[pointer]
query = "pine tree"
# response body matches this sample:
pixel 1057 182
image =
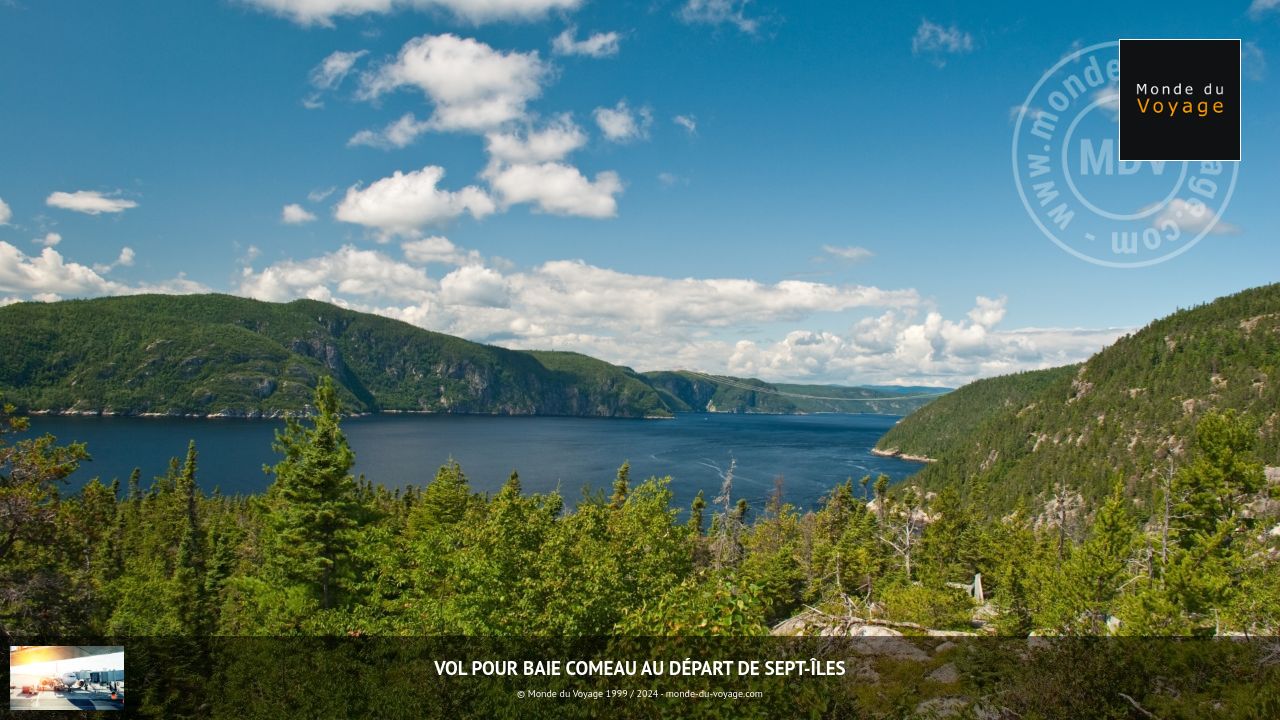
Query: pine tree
pixel 1096 570
pixel 312 502
pixel 189 566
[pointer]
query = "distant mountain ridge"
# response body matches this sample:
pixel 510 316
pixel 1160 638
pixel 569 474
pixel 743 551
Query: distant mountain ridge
pixel 220 355
pixel 1126 412
pixel 683 390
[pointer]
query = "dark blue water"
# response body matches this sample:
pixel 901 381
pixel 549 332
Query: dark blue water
pixel 812 452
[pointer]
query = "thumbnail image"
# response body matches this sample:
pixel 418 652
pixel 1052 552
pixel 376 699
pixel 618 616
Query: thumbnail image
pixel 66 677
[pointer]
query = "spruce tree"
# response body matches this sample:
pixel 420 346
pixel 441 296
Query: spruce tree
pixel 312 502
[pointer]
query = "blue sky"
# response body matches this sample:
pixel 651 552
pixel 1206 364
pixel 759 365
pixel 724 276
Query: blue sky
pixel 813 191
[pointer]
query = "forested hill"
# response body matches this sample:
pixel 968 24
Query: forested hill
pixel 225 355
pixel 697 392
pixel 1128 411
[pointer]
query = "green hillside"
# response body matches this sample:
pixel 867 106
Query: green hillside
pixel 689 391
pixel 220 354
pixel 945 425
pixel 224 355
pixel 1128 411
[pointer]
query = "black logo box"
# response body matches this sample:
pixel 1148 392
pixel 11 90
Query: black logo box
pixel 1184 64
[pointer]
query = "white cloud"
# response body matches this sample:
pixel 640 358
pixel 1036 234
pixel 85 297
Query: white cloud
pixel 480 11
pixel 937 41
pixel 621 124
pixel 474 285
pixel 323 12
pixel 473 86
pixel 1254 60
pixel 897 347
pixel 1108 99
pixel 398 134
pixel 560 137
pixel 125 259
pixel 405 202
pixel 558 189
pixel 346 271
pixel 1030 112
pixel 718 12
pixel 653 322
pixel 437 249
pixel 688 122
pixel 329 74
pixel 319 195
pixel 49 273
pixel 596 45
pixel 5 213
pixel 90 202
pixel 669 179
pixel 1191 217
pixel 849 253
pixel 295 214
pixel 46 272
pixel 1258 8
pixel 331 71
pixel 49 240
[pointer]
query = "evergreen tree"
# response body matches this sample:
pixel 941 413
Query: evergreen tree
pixel 189 566
pixel 312 501
pixel 621 484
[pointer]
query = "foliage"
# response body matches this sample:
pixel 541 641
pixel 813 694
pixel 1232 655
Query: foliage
pixel 224 355
pixel 1131 409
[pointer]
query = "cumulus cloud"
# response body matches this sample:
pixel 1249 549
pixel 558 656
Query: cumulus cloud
pixel 49 240
pixel 475 286
pixel 49 274
pixel 405 202
pixel 398 134
pixel 324 12
pixel 472 86
pixel 557 139
pixel 295 214
pixel 5 213
pixel 125 259
pixel 652 322
pixel 437 249
pixel 688 122
pixel 563 297
pixel 621 124
pixel 558 189
pixel 1191 217
pixel 596 45
pixel 346 271
pixel 900 347
pixel 847 253
pixel 89 202
pixel 935 41
pixel 720 12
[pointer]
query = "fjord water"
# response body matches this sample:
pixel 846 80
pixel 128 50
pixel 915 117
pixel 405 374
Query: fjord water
pixel 812 452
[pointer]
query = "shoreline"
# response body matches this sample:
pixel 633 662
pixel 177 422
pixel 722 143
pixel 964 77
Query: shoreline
pixel 896 453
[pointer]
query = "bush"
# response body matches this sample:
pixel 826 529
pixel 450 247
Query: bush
pixel 931 607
